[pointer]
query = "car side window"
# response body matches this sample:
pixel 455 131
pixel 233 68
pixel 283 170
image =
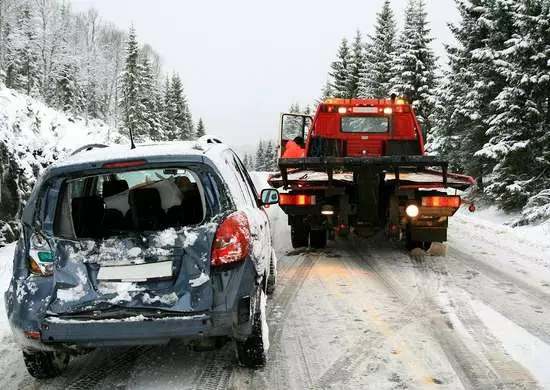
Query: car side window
pixel 247 179
pixel 249 194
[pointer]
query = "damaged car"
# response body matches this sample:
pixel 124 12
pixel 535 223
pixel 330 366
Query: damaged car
pixel 141 246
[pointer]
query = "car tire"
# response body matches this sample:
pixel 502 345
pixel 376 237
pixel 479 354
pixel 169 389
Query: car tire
pixel 318 239
pixel 45 364
pixel 252 351
pixel 272 279
pixel 299 235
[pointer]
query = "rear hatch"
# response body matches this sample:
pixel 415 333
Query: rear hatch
pixel 134 242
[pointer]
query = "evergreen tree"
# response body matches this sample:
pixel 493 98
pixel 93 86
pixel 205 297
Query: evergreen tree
pixel 415 63
pixel 130 94
pixel 380 55
pixel 326 93
pixel 340 73
pixel 269 157
pixel 178 116
pixel 148 111
pixel 357 67
pixel 260 158
pixel 201 131
pixel 519 129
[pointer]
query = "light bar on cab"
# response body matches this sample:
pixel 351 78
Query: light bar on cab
pixel 441 201
pixel 297 200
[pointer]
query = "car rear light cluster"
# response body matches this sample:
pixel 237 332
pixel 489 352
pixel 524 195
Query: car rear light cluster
pixel 441 201
pixel 297 200
pixel 40 256
pixel 232 241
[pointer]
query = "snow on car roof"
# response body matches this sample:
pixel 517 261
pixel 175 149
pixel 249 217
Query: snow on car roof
pixel 123 152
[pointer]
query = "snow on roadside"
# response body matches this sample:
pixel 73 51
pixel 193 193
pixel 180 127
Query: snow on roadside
pixel 6 263
pixel 528 350
pixel 523 252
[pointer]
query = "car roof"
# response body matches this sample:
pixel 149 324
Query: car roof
pixel 95 156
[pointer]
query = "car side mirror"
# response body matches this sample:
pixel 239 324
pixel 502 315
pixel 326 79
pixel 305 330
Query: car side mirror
pixel 269 196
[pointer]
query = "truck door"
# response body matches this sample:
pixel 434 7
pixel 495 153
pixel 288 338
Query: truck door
pixel 293 128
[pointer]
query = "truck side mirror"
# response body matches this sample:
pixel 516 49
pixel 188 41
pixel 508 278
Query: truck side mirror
pixel 269 196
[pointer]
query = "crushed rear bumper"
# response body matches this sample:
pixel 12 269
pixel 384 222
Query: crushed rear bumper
pixel 137 330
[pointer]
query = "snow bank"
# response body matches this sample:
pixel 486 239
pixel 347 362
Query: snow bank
pixel 32 136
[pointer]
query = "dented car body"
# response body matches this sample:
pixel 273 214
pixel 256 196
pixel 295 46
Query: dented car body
pixel 170 241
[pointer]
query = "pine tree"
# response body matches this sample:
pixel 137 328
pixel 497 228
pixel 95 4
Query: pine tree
pixel 326 93
pixel 462 115
pixel 519 127
pixel 415 63
pixel 269 156
pixel 148 111
pixel 201 131
pixel 380 54
pixel 129 103
pixel 340 73
pixel 259 166
pixel 178 116
pixel 357 67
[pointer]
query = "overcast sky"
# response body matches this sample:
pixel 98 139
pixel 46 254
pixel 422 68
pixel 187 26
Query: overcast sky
pixel 243 62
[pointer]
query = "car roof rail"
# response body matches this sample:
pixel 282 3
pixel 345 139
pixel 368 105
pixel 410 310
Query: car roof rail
pixel 208 139
pixel 89 147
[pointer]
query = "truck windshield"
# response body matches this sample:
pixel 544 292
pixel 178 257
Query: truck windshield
pixel 365 124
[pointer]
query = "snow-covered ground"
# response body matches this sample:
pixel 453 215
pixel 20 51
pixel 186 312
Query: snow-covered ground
pixel 362 314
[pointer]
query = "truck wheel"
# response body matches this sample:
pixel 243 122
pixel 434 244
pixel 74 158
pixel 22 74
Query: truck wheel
pixel 299 235
pixel 318 239
pixel 252 352
pixel 45 364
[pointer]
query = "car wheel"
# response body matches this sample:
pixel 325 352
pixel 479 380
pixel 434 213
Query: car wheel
pixel 299 234
pixel 252 351
pixel 318 239
pixel 45 364
pixel 272 279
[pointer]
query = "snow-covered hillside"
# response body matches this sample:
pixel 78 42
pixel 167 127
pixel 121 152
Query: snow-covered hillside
pixel 32 136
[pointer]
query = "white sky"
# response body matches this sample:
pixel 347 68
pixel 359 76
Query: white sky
pixel 243 62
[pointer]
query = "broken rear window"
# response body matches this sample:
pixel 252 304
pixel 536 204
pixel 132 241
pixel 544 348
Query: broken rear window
pixel 134 201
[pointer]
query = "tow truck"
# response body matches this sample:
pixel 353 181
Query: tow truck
pixel 364 169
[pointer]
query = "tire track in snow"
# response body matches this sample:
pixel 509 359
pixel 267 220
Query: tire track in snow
pixel 118 366
pixel 472 371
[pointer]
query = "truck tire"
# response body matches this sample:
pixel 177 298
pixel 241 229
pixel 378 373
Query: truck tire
pixel 252 352
pixel 299 234
pixel 45 364
pixel 318 239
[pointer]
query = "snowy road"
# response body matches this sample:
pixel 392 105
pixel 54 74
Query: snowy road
pixel 362 314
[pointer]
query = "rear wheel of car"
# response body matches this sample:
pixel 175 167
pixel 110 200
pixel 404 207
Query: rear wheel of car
pixel 45 364
pixel 299 234
pixel 318 239
pixel 272 279
pixel 252 351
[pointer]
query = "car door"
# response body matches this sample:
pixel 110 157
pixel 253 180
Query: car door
pixel 259 223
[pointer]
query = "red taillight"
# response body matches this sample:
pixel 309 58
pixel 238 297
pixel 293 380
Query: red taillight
pixel 232 241
pixel 35 335
pixel 441 201
pixel 296 200
pixel 124 164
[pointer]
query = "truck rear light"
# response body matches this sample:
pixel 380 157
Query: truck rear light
pixel 441 201
pixel 232 241
pixel 124 164
pixel 297 200
pixel 412 210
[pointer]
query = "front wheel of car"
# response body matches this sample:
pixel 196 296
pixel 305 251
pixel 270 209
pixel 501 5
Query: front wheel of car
pixel 272 279
pixel 45 364
pixel 252 352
